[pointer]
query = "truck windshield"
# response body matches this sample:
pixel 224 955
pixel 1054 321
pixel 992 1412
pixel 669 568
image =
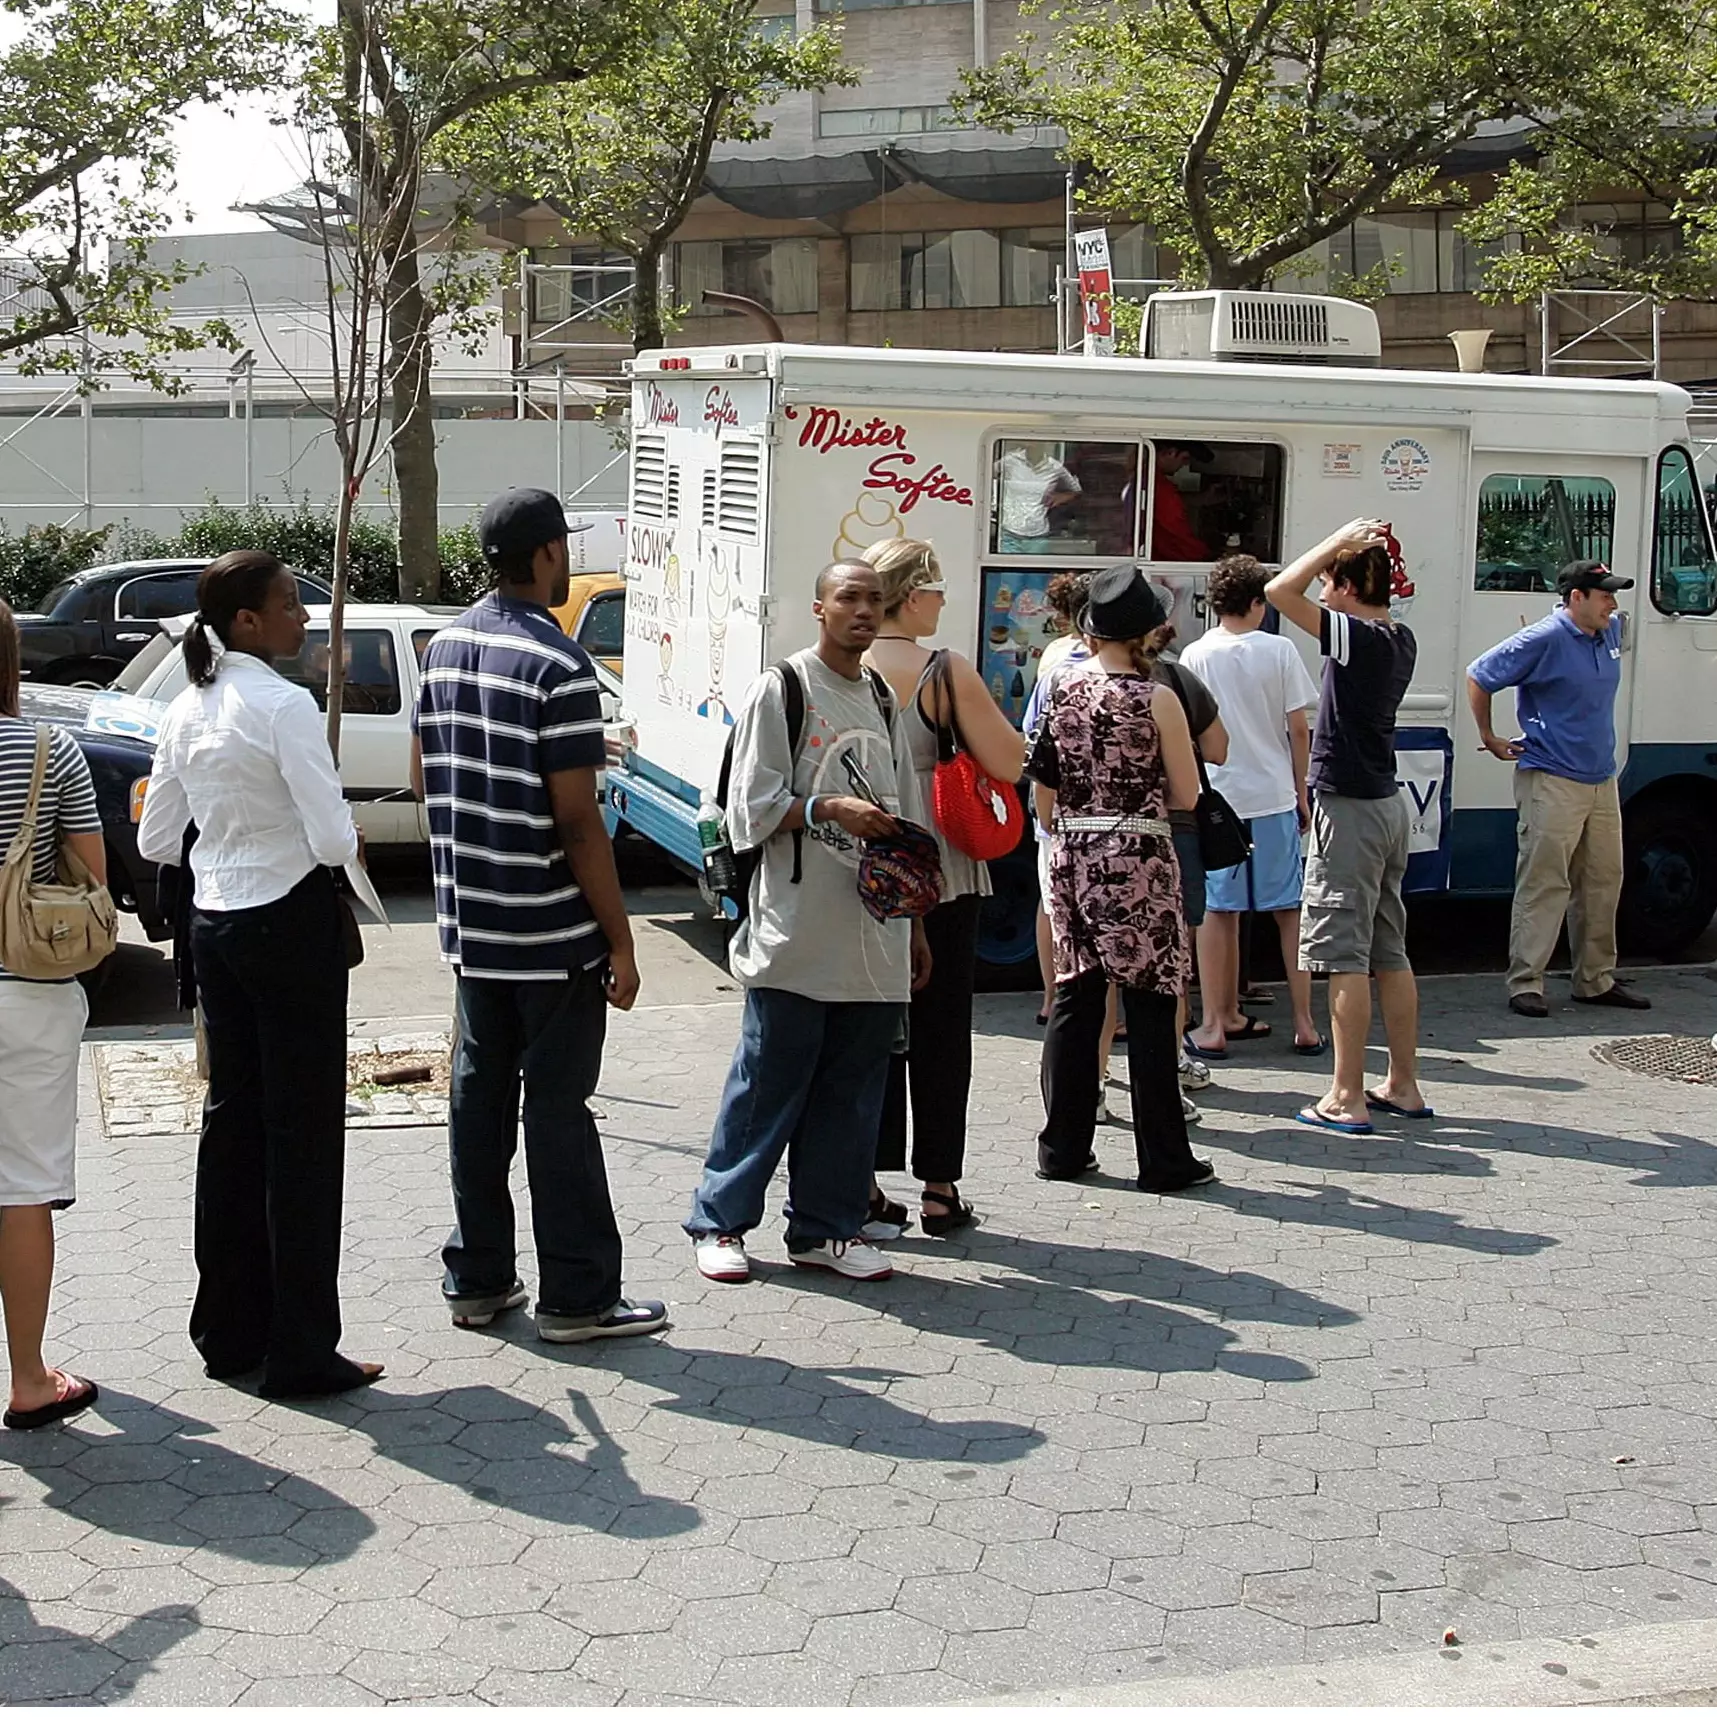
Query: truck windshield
pixel 1683 568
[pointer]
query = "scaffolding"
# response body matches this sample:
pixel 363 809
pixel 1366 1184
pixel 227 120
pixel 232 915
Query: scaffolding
pixel 1588 332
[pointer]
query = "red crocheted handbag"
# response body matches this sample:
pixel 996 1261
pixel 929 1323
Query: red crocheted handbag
pixel 979 815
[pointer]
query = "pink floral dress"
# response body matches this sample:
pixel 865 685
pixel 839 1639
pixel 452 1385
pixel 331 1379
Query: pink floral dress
pixel 1114 902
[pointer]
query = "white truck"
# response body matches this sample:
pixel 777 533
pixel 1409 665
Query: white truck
pixel 752 466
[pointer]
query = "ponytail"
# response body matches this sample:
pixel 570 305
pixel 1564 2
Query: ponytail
pixel 1145 650
pixel 238 581
pixel 199 653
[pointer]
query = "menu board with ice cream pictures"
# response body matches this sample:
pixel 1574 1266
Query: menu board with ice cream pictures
pixel 1017 622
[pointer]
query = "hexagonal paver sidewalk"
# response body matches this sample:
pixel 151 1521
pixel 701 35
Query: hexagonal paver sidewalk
pixel 1455 1374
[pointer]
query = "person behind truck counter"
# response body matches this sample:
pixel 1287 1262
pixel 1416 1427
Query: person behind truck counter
pixel 1172 535
pixel 936 1069
pixel 1114 756
pixel 1568 668
pixel 1034 483
pixel 1353 925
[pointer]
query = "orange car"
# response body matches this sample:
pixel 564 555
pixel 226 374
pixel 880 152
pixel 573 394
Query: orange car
pixel 594 615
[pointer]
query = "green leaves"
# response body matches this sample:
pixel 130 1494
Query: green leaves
pixel 88 94
pixel 1246 131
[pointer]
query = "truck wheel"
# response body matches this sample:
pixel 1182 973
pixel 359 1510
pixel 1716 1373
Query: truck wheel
pixel 1007 931
pixel 1669 890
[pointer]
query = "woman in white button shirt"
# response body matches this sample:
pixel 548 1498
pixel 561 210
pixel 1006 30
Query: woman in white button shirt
pixel 242 754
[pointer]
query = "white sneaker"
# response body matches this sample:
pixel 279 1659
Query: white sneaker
pixel 721 1258
pixel 1194 1075
pixel 1190 1110
pixel 845 1258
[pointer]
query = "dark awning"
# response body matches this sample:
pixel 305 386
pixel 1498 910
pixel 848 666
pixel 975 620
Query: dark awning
pixel 1032 173
pixel 797 187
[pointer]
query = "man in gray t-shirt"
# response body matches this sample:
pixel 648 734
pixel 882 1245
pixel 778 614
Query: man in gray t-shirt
pixel 825 983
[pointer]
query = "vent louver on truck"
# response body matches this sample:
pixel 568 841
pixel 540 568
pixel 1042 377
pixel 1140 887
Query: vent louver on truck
pixel 739 506
pixel 1261 328
pixel 707 512
pixel 649 477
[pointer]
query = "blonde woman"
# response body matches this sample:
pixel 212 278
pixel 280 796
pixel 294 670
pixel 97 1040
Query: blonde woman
pixel 936 1070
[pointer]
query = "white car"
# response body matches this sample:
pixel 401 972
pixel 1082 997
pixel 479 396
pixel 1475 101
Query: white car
pixel 384 645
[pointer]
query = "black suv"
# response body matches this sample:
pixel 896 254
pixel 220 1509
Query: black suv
pixel 95 621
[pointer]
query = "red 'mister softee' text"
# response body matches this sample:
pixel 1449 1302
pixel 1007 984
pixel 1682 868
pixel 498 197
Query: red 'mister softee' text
pixel 658 407
pixel 825 430
pixel 718 408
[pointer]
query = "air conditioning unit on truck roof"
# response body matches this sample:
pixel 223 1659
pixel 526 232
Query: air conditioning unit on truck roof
pixel 1261 328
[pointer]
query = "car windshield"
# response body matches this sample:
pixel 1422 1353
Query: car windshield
pixel 57 595
pixel 144 663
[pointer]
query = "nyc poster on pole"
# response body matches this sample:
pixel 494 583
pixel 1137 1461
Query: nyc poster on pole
pixel 1091 251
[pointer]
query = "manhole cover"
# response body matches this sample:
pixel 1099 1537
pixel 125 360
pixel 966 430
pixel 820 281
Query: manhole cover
pixel 1689 1059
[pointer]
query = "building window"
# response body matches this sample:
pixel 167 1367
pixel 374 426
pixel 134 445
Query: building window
pixel 585 277
pixel 1133 254
pixel 777 28
pixel 1030 257
pixel 885 121
pixel 1425 249
pixel 926 271
pixel 879 5
pixel 780 274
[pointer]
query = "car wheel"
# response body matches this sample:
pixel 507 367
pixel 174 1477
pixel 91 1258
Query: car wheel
pixel 95 674
pixel 1669 892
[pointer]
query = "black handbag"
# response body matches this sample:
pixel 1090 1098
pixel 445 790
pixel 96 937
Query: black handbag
pixel 1223 841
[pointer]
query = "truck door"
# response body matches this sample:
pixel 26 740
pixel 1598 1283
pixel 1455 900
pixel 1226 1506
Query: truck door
pixel 1531 513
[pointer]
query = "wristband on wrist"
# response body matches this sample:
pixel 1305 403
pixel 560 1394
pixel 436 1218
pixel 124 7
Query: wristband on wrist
pixel 811 812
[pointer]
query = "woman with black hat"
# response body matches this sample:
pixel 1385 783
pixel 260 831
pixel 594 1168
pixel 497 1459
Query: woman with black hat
pixel 1111 760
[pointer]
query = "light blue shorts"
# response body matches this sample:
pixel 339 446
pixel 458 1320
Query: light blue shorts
pixel 1269 881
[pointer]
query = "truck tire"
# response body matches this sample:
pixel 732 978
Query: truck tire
pixel 1007 930
pixel 1669 886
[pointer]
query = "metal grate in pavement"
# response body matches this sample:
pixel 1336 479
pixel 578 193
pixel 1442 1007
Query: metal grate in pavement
pixel 1691 1060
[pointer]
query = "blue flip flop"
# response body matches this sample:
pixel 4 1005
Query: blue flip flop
pixel 1198 1052
pixel 1312 1116
pixel 1388 1108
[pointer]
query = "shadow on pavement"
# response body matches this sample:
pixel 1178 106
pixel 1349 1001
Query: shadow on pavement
pixel 1323 1206
pixel 41 1663
pixel 150 1477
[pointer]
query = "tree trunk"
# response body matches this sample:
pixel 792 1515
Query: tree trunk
pixel 416 482
pixel 647 332
pixel 337 607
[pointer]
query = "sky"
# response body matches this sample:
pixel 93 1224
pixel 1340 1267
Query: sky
pixel 231 158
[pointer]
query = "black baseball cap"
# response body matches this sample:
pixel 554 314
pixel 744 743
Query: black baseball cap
pixel 1121 603
pixel 1589 575
pixel 1199 452
pixel 518 522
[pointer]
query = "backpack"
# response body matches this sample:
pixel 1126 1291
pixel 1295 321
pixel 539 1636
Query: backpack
pixel 793 696
pixel 51 929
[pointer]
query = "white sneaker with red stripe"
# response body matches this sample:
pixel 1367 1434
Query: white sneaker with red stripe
pixel 721 1257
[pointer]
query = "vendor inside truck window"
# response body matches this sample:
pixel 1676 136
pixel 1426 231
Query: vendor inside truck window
pixel 1183 502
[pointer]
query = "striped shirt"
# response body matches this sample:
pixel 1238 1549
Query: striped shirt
pixel 67 805
pixel 508 699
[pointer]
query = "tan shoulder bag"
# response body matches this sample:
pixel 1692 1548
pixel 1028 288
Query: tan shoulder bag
pixel 51 929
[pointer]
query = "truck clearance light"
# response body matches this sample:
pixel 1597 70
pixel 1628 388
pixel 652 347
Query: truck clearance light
pixel 139 791
pixel 675 364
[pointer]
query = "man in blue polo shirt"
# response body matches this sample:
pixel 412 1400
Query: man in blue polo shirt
pixel 1566 670
pixel 508 742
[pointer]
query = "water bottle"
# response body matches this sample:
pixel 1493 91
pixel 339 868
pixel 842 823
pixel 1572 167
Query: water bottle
pixel 720 870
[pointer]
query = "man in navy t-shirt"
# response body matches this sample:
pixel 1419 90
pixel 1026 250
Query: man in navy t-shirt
pixel 1568 669
pixel 1353 923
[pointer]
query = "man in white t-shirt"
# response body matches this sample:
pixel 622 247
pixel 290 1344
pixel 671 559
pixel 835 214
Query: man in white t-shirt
pixel 1264 690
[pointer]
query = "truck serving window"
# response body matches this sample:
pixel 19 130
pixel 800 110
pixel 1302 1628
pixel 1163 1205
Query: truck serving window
pixel 1186 502
pixel 1683 571
pixel 1529 527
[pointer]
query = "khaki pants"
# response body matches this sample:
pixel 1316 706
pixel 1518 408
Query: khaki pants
pixel 1570 864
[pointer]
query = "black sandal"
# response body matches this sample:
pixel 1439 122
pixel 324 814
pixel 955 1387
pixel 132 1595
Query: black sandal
pixel 957 1212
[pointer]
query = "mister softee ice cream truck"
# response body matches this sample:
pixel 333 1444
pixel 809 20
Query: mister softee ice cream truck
pixel 1267 427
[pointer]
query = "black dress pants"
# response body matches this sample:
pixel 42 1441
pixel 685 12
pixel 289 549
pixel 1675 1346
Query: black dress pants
pixel 1072 1081
pixel 937 1067
pixel 271 1161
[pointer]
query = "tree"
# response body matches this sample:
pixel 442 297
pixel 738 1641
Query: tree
pixel 88 95
pixel 390 77
pixel 1247 131
pixel 626 158
pixel 1646 130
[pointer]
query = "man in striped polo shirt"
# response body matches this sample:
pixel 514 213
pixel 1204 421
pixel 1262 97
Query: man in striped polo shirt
pixel 507 748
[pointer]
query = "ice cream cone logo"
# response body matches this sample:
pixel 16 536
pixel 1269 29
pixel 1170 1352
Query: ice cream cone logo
pixel 872 520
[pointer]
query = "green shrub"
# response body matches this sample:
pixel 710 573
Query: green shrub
pixel 303 537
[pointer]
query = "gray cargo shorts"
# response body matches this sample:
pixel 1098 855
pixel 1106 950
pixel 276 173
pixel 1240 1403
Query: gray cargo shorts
pixel 1352 918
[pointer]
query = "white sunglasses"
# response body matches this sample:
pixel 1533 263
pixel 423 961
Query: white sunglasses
pixel 938 588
